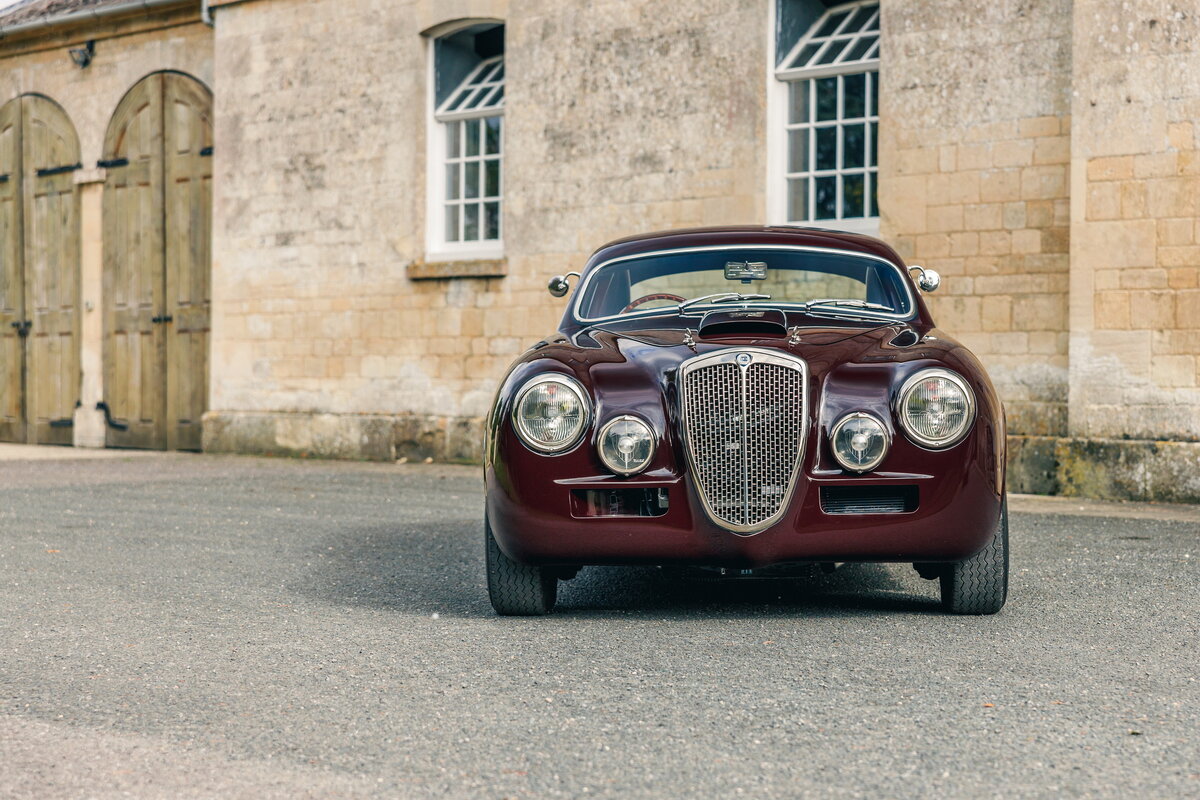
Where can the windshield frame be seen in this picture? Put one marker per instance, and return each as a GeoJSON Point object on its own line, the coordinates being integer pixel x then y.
{"type": "Point", "coordinates": [913, 312]}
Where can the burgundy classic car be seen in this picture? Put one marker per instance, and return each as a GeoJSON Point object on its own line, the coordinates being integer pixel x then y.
{"type": "Point", "coordinates": [744, 399]}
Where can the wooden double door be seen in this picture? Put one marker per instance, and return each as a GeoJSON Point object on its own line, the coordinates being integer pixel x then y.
{"type": "Point", "coordinates": [157, 263]}
{"type": "Point", "coordinates": [39, 272]}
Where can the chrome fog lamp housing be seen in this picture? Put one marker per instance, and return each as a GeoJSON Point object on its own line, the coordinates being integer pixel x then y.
{"type": "Point", "coordinates": [551, 413]}
{"type": "Point", "coordinates": [626, 444]}
{"type": "Point", "coordinates": [859, 442]}
{"type": "Point", "coordinates": [936, 408]}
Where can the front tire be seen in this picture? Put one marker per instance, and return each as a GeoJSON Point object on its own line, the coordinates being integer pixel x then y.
{"type": "Point", "coordinates": [517, 590]}
{"type": "Point", "coordinates": [979, 584]}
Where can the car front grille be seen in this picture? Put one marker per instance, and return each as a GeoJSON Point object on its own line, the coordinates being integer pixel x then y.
{"type": "Point", "coordinates": [744, 416]}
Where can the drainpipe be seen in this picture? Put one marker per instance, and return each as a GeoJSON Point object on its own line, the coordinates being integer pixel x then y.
{"type": "Point", "coordinates": [90, 15]}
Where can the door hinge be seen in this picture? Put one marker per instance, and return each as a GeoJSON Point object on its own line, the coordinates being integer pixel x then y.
{"type": "Point", "coordinates": [65, 422]}
{"type": "Point", "coordinates": [110, 163]}
{"type": "Point", "coordinates": [108, 417]}
{"type": "Point", "coordinates": [22, 327]}
{"type": "Point", "coordinates": [162, 318]}
{"type": "Point", "coordinates": [48, 171]}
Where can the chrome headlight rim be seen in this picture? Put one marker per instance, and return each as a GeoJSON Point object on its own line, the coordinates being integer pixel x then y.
{"type": "Point", "coordinates": [859, 469]}
{"type": "Point", "coordinates": [566, 445]}
{"type": "Point", "coordinates": [902, 400]}
{"type": "Point", "coordinates": [626, 418]}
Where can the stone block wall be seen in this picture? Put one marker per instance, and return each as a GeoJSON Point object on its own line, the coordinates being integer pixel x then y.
{"type": "Point", "coordinates": [974, 165]}
{"type": "Point", "coordinates": [1135, 228]}
{"type": "Point", "coordinates": [630, 117]}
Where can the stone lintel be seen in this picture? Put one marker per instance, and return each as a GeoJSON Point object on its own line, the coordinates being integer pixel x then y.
{"type": "Point", "coordinates": [443, 270]}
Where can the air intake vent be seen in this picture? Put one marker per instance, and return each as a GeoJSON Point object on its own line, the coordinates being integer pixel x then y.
{"type": "Point", "coordinates": [868, 499]}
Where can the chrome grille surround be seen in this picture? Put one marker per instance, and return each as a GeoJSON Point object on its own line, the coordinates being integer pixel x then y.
{"type": "Point", "coordinates": [745, 421]}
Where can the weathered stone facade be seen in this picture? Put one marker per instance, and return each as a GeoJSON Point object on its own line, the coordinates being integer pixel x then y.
{"type": "Point", "coordinates": [1042, 156]}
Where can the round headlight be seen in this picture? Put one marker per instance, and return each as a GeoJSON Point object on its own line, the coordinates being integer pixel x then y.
{"type": "Point", "coordinates": [859, 442]}
{"type": "Point", "coordinates": [626, 445]}
{"type": "Point", "coordinates": [551, 413]}
{"type": "Point", "coordinates": [936, 408]}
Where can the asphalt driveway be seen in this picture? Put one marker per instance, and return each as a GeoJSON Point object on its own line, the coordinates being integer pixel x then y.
{"type": "Point", "coordinates": [231, 627]}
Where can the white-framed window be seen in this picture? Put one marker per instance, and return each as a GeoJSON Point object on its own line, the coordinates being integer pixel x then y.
{"type": "Point", "coordinates": [828, 87]}
{"type": "Point", "coordinates": [466, 151]}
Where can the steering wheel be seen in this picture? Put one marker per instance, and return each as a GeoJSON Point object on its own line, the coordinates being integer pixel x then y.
{"type": "Point", "coordinates": [646, 298]}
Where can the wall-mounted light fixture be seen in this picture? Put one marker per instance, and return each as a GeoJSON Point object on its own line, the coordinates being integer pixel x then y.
{"type": "Point", "coordinates": [82, 56]}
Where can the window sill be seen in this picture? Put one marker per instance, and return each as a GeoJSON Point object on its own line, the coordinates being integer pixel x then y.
{"type": "Point", "coordinates": [464, 268]}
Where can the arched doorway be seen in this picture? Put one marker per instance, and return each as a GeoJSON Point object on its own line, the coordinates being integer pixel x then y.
{"type": "Point", "coordinates": [157, 263]}
{"type": "Point", "coordinates": [39, 272]}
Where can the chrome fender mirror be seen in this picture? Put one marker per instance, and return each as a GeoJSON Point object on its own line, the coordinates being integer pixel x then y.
{"type": "Point", "coordinates": [929, 280]}
{"type": "Point", "coordinates": [559, 285]}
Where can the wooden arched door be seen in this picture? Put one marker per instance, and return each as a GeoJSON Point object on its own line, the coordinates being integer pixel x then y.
{"type": "Point", "coordinates": [39, 272]}
{"type": "Point", "coordinates": [157, 263]}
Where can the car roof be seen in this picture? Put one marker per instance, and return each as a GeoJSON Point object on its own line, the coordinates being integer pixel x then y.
{"type": "Point", "coordinates": [749, 235]}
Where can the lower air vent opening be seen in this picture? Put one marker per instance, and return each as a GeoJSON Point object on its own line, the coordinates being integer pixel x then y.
{"type": "Point", "coordinates": [619, 502]}
{"type": "Point", "coordinates": [868, 499]}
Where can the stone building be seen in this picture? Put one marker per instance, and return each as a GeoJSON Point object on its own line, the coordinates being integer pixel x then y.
{"type": "Point", "coordinates": [324, 227]}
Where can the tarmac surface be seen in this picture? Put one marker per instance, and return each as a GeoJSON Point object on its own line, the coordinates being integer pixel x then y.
{"type": "Point", "coordinates": [200, 626]}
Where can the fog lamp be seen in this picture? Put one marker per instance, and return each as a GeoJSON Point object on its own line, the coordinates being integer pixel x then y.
{"type": "Point", "coordinates": [859, 441]}
{"type": "Point", "coordinates": [626, 445]}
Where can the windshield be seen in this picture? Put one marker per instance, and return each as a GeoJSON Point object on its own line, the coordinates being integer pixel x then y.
{"type": "Point", "coordinates": [658, 281]}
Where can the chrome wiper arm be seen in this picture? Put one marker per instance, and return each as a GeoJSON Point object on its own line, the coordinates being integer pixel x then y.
{"type": "Point", "coordinates": [721, 297]}
{"type": "Point", "coordinates": [848, 302]}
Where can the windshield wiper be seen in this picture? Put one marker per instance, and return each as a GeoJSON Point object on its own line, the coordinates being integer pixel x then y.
{"type": "Point", "coordinates": [846, 302]}
{"type": "Point", "coordinates": [721, 297]}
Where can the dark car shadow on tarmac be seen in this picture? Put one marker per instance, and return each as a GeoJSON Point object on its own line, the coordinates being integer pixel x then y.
{"type": "Point", "coordinates": [439, 568]}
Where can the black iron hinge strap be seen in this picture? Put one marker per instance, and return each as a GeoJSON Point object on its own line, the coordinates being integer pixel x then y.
{"type": "Point", "coordinates": [109, 163]}
{"type": "Point", "coordinates": [108, 417]}
{"type": "Point", "coordinates": [48, 171]}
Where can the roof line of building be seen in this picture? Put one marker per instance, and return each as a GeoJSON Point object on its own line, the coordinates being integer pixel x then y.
{"type": "Point", "coordinates": [94, 14]}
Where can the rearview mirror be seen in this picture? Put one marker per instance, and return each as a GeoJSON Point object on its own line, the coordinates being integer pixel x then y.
{"type": "Point", "coordinates": [559, 285]}
{"type": "Point", "coordinates": [929, 280]}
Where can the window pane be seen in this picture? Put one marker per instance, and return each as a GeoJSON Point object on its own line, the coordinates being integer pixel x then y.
{"type": "Point", "coordinates": [471, 182]}
{"type": "Point", "coordinates": [499, 98]}
{"type": "Point", "coordinates": [491, 133]}
{"type": "Point", "coordinates": [451, 223]}
{"type": "Point", "coordinates": [472, 148]}
{"type": "Point", "coordinates": [471, 222]}
{"type": "Point", "coordinates": [855, 103]}
{"type": "Point", "coordinates": [831, 24]}
{"type": "Point", "coordinates": [798, 150]}
{"type": "Point", "coordinates": [491, 177]}
{"type": "Point", "coordinates": [826, 148]}
{"type": "Point", "coordinates": [499, 76]}
{"type": "Point", "coordinates": [859, 50]}
{"type": "Point", "coordinates": [874, 144]}
{"type": "Point", "coordinates": [874, 94]}
{"type": "Point", "coordinates": [491, 220]}
{"type": "Point", "coordinates": [835, 49]}
{"type": "Point", "coordinates": [874, 179]}
{"type": "Point", "coordinates": [857, 17]}
{"type": "Point", "coordinates": [854, 145]}
{"type": "Point", "coordinates": [807, 53]}
{"type": "Point", "coordinates": [799, 101]}
{"type": "Point", "coordinates": [798, 199]}
{"type": "Point", "coordinates": [452, 139]}
{"type": "Point", "coordinates": [852, 196]}
{"type": "Point", "coordinates": [452, 182]}
{"type": "Point", "coordinates": [826, 98]}
{"type": "Point", "coordinates": [826, 203]}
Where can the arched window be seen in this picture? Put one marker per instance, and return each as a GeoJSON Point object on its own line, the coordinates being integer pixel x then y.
{"type": "Point", "coordinates": [467, 143]}
{"type": "Point", "coordinates": [832, 119]}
